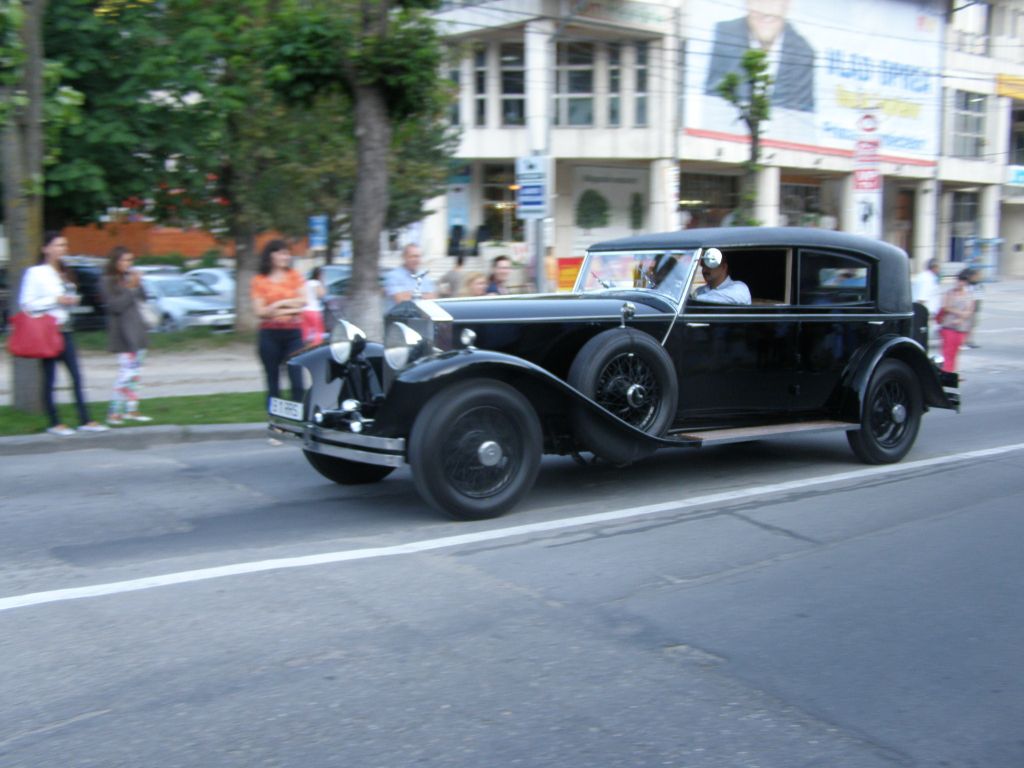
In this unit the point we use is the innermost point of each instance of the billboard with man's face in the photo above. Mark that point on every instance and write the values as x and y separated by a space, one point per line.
829 62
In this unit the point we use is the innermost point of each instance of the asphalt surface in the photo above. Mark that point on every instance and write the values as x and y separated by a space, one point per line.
236 368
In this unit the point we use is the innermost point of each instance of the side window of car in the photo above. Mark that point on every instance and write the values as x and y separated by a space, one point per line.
834 279
765 272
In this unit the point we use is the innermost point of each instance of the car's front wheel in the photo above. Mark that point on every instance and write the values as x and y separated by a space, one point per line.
346 472
891 415
475 449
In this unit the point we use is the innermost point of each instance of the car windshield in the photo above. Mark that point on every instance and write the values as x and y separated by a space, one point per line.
183 287
661 271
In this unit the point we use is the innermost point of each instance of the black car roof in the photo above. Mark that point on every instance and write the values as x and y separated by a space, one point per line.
733 237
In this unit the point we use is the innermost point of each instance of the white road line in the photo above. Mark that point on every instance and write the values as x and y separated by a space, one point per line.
427 545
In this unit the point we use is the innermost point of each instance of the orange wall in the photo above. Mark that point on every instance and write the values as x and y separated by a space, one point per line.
147 239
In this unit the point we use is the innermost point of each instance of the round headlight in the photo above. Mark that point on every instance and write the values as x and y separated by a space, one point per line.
346 341
399 342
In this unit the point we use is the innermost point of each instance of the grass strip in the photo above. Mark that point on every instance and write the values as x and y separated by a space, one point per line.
223 408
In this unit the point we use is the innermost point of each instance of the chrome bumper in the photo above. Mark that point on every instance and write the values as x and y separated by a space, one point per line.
366 449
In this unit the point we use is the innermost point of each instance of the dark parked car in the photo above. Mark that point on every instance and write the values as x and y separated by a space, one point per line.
91 312
471 392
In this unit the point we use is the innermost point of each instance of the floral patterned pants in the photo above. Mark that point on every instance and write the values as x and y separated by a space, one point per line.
126 387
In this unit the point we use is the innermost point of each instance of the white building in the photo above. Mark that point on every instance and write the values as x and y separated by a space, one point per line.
621 96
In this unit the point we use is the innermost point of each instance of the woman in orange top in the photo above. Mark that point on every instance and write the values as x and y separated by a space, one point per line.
278 296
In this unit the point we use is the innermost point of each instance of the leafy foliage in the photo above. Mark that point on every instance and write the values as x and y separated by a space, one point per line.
749 94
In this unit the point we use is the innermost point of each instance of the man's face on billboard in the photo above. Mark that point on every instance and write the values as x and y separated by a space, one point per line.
765 19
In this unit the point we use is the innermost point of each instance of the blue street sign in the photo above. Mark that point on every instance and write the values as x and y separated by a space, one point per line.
318 231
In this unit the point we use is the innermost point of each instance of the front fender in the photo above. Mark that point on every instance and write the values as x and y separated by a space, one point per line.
549 395
854 384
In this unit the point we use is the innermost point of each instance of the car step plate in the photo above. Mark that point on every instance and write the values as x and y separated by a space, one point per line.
741 434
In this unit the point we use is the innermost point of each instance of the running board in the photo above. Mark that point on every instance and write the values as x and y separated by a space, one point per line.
742 434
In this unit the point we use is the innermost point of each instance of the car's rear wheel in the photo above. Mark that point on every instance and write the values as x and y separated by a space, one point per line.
346 472
628 373
475 449
891 415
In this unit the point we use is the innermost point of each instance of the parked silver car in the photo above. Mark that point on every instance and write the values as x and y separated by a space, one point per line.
220 279
184 302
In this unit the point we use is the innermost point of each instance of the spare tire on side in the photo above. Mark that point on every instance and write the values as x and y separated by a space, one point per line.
629 374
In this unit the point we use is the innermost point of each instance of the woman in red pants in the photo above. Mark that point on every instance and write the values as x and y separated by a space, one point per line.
956 313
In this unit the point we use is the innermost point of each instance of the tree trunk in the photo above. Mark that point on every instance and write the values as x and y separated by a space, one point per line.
22 161
369 209
246 264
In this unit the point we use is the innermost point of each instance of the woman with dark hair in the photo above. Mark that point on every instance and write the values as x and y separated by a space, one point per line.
126 333
278 299
46 288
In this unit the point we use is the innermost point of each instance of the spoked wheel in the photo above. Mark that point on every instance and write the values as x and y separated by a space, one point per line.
629 374
891 415
475 450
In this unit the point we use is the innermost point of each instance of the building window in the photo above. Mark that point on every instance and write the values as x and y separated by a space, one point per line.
455 111
499 212
480 86
1017 138
971 27
968 124
640 113
574 84
513 84
614 85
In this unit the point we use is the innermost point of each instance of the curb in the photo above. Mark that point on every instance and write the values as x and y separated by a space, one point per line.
131 438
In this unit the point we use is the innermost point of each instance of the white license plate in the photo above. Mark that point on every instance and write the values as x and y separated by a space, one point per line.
286 409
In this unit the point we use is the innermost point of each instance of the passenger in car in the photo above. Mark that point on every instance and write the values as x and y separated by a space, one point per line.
719 288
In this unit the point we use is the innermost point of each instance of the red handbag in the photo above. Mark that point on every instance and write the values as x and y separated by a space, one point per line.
35 336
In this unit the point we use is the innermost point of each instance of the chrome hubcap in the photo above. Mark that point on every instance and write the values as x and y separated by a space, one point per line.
489 453
636 395
899 413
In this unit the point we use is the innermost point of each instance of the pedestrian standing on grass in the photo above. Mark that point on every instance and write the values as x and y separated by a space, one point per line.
48 288
126 333
955 317
278 297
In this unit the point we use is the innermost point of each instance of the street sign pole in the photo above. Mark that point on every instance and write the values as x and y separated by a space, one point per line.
532 207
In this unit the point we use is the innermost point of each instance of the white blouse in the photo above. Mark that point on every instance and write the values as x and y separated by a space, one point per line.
41 285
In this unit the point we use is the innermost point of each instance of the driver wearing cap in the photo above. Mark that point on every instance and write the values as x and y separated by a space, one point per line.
719 288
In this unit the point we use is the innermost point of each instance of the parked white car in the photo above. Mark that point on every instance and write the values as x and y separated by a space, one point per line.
184 302
220 279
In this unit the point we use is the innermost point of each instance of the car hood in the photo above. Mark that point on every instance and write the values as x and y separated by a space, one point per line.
555 306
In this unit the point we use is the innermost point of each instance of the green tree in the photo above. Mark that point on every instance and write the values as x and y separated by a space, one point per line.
384 57
749 94
591 210
34 106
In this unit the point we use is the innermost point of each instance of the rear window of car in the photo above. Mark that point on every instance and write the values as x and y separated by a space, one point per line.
835 279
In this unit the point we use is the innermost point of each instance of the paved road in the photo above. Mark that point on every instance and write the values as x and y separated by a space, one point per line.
772 604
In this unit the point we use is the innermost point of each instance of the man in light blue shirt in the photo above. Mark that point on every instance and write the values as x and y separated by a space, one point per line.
719 287
400 282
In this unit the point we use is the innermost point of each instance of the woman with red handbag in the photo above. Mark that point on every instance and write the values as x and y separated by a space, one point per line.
45 288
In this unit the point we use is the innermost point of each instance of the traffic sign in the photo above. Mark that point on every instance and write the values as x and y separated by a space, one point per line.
532 181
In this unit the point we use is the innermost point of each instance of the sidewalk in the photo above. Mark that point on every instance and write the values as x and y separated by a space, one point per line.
235 368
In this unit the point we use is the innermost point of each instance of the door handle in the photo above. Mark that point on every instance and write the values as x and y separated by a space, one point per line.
698 325
876 322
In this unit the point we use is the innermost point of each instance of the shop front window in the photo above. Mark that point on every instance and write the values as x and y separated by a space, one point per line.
499 205
706 199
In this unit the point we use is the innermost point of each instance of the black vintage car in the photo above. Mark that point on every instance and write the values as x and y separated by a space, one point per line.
471 392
